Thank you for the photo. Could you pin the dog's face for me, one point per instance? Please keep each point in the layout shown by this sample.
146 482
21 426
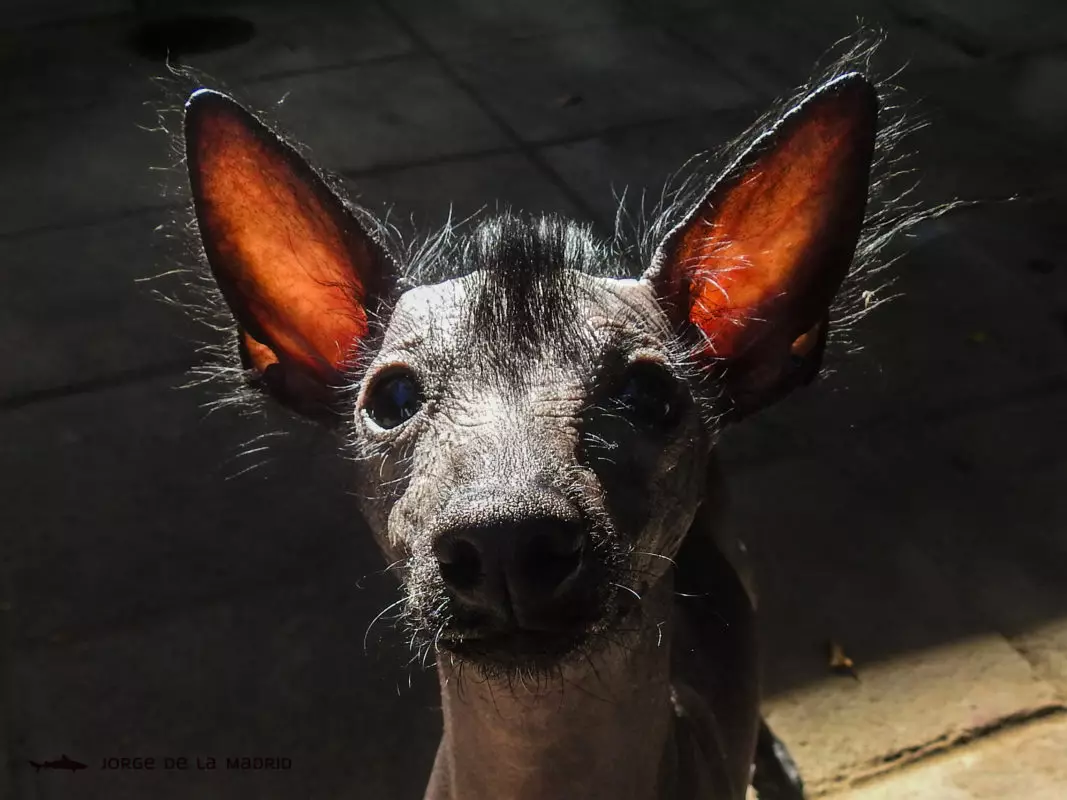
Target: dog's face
531 429
532 480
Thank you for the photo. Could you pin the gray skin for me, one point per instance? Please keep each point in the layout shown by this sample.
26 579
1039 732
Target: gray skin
549 494
494 444
625 719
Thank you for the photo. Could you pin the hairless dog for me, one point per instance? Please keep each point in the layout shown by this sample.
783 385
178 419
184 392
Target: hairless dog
533 414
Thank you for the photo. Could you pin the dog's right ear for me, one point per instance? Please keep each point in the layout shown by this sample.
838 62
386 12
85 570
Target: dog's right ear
299 272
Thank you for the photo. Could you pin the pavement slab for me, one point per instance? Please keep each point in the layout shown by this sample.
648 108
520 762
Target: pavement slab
59 283
861 553
29 13
380 114
1020 762
289 38
461 24
135 502
106 60
640 159
843 731
66 168
988 27
840 556
278 673
580 83
763 48
1020 99
1044 645
946 590
969 500
462 187
54 67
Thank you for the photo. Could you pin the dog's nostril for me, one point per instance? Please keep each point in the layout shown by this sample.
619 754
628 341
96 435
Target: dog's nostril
460 564
552 558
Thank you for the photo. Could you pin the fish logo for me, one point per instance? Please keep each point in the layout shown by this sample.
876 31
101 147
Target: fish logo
64 762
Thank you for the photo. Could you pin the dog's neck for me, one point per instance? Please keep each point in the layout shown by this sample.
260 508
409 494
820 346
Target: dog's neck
601 728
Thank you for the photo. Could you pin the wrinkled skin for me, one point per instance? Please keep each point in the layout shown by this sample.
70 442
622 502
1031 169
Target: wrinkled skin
555 441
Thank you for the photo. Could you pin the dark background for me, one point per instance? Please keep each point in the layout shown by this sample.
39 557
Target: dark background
159 598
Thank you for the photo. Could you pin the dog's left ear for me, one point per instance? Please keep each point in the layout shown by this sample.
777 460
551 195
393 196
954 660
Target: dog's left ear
755 265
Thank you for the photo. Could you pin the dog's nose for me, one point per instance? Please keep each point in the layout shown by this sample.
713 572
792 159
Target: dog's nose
514 570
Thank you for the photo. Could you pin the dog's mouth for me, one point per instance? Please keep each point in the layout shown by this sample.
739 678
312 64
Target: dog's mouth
512 646
515 646
556 607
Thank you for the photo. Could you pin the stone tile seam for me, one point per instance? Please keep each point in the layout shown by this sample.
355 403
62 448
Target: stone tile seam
1036 666
113 380
879 768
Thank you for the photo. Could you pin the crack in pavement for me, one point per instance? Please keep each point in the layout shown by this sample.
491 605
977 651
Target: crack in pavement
939 746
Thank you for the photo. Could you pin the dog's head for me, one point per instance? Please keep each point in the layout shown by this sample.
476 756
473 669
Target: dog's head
531 416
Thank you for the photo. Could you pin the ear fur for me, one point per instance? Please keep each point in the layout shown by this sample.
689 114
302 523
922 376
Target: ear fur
754 266
298 271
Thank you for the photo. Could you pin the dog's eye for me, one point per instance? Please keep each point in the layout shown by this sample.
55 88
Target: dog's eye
393 399
649 394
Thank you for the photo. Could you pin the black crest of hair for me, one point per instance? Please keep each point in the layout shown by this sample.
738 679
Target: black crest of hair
524 295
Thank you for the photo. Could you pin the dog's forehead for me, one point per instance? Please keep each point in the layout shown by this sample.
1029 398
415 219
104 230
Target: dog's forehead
604 304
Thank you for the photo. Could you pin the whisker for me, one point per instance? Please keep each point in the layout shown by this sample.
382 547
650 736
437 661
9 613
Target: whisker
381 614
627 589
656 555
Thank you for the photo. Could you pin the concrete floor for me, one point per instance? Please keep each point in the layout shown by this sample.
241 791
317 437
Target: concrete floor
160 598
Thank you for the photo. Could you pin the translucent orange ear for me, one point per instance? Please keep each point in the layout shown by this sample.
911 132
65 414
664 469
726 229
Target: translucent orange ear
756 264
295 267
